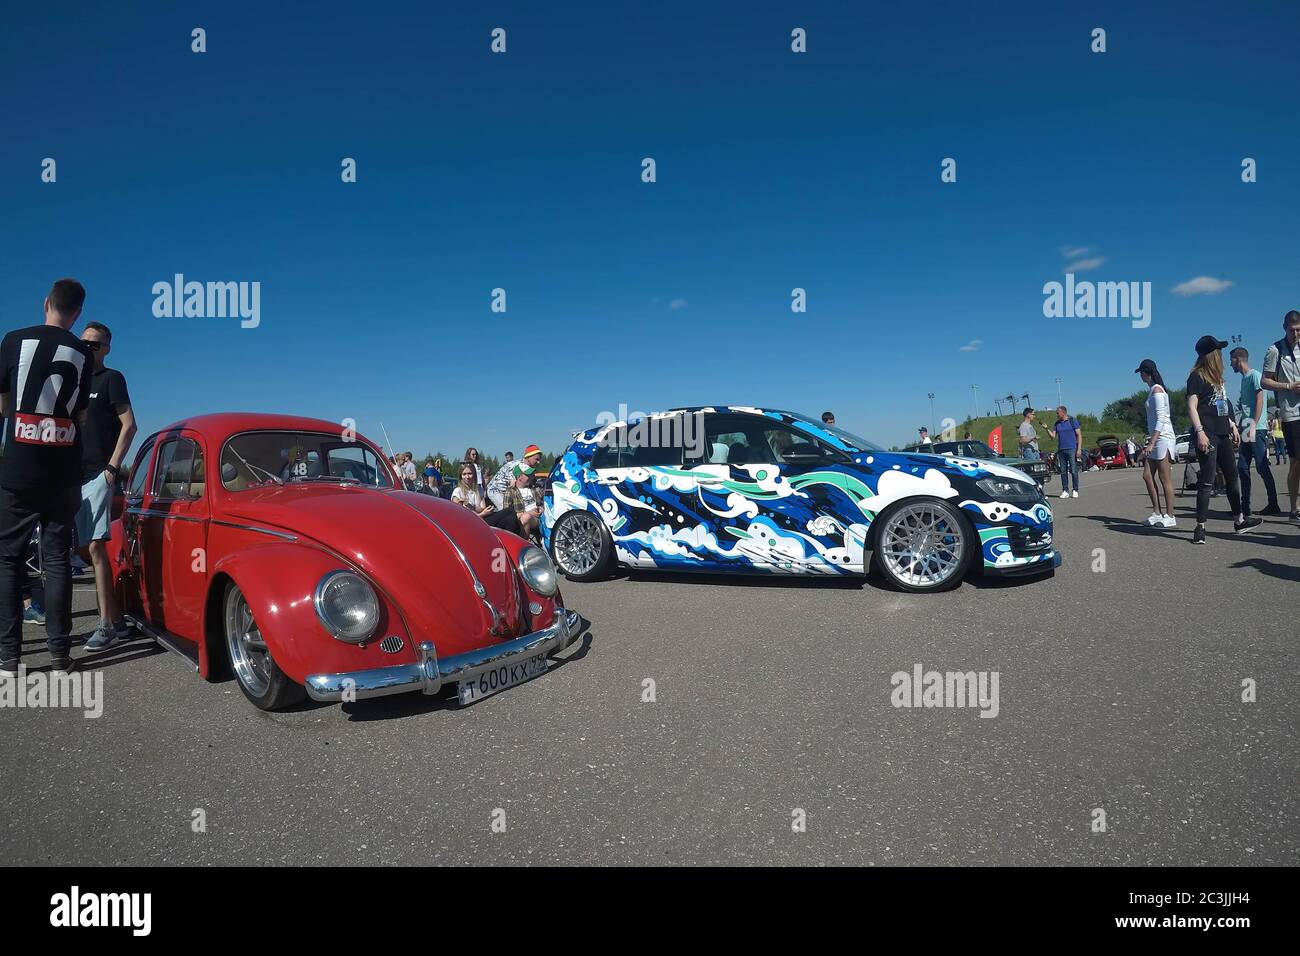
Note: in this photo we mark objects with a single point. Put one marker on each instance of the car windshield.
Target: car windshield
(258, 459)
(964, 449)
(844, 437)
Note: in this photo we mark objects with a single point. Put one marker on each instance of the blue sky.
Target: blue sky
(522, 171)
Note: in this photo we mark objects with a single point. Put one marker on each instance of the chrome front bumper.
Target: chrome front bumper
(430, 673)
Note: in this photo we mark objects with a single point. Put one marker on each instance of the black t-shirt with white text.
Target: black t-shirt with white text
(107, 394)
(1211, 421)
(46, 372)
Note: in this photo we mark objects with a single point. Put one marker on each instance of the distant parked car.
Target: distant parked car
(1182, 447)
(1109, 453)
(1036, 468)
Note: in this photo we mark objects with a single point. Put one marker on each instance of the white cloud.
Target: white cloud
(1083, 265)
(1201, 285)
(1074, 252)
(677, 304)
(972, 346)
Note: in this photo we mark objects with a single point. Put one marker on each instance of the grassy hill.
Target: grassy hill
(980, 428)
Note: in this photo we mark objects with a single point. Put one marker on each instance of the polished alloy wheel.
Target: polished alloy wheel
(922, 546)
(578, 543)
(249, 657)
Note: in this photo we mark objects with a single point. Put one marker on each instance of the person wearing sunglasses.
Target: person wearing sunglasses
(110, 428)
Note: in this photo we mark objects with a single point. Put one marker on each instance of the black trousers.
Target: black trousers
(1221, 457)
(505, 519)
(56, 510)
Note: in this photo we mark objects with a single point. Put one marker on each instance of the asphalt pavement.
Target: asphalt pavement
(1120, 685)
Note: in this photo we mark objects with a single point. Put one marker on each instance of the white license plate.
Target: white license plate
(499, 678)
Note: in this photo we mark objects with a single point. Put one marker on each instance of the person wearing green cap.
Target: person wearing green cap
(524, 500)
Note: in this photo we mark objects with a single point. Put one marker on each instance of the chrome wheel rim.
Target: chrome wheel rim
(922, 546)
(249, 657)
(577, 543)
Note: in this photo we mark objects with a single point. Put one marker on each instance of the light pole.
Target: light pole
(931, 394)
(1058, 393)
(975, 410)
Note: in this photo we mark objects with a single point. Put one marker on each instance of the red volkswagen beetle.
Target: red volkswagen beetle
(282, 548)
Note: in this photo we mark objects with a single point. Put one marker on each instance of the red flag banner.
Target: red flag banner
(995, 440)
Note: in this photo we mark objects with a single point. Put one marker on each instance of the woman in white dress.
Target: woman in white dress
(1158, 452)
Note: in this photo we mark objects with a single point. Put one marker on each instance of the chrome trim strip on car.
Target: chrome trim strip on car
(495, 616)
(150, 513)
(169, 642)
(429, 674)
(249, 527)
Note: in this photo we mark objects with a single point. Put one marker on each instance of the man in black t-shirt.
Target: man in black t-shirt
(45, 376)
(110, 428)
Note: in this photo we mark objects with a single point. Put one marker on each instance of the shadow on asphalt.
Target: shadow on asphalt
(840, 583)
(854, 582)
(1265, 534)
(1286, 572)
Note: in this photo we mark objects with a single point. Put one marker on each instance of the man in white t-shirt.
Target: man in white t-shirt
(1282, 376)
(1028, 433)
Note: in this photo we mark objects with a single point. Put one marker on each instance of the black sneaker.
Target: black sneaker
(1247, 524)
(1198, 536)
(1295, 516)
(1272, 509)
(62, 665)
(9, 668)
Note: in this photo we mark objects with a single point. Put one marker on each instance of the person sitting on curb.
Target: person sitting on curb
(523, 500)
(505, 477)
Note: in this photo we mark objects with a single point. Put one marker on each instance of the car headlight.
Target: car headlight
(347, 606)
(1007, 489)
(537, 570)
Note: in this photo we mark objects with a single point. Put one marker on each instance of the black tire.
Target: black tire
(253, 667)
(578, 561)
(888, 567)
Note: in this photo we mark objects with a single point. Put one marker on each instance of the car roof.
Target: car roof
(222, 425)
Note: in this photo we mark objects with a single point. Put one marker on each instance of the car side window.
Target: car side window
(140, 476)
(622, 448)
(179, 473)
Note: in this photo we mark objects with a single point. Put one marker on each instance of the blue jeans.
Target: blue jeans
(1067, 466)
(1254, 452)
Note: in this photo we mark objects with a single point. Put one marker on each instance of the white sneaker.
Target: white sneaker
(1169, 521)
(1155, 518)
(1065, 494)
(1074, 494)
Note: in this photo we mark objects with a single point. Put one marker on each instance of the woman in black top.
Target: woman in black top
(1215, 435)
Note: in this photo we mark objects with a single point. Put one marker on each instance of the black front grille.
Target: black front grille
(1029, 541)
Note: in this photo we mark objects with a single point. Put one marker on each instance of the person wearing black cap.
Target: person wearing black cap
(1159, 450)
(1215, 435)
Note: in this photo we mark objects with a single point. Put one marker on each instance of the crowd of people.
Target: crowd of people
(510, 498)
(1229, 439)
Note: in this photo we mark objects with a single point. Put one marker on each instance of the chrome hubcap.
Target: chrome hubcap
(249, 657)
(577, 543)
(922, 546)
